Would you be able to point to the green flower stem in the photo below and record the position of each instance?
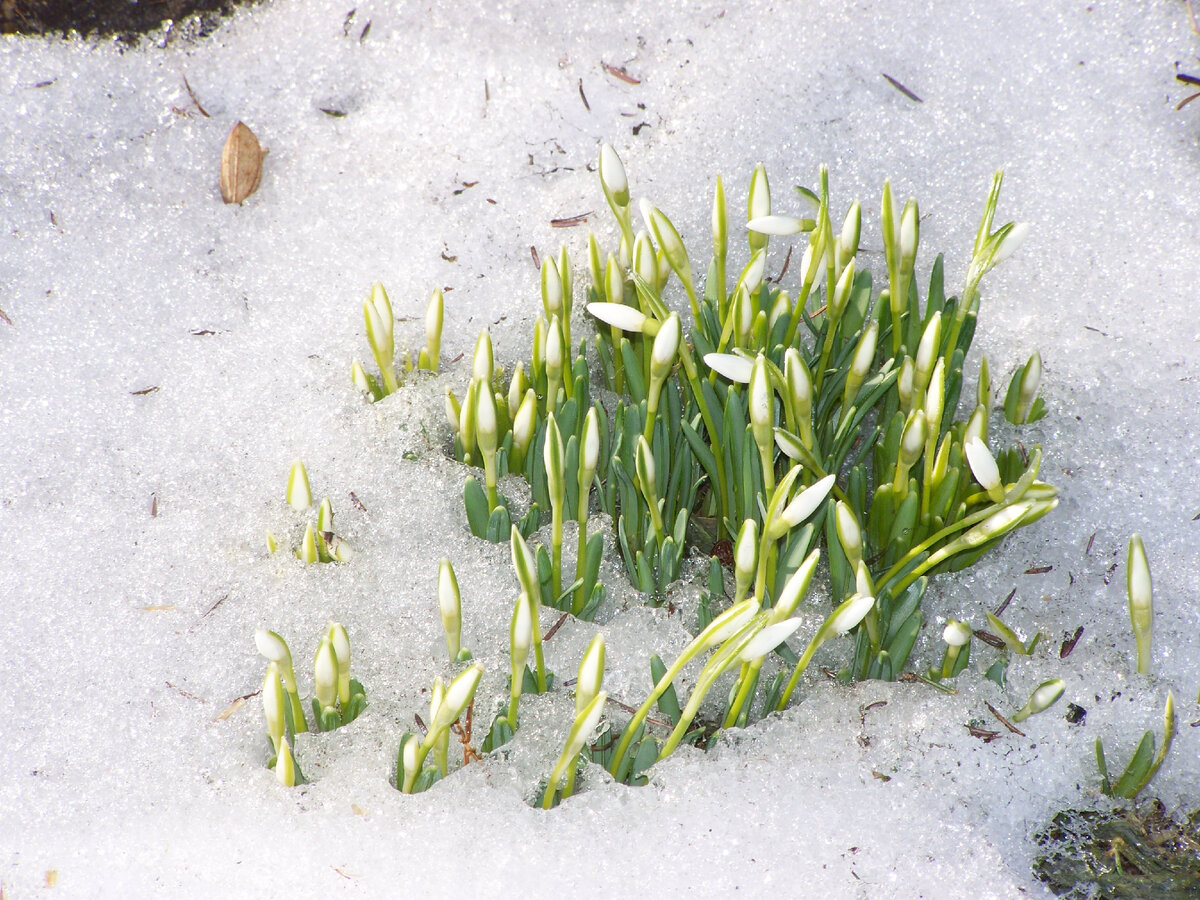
(722, 660)
(817, 640)
(715, 632)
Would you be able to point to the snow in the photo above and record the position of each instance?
(168, 349)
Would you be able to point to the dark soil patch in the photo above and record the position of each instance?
(124, 19)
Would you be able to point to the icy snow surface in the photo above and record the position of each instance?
(164, 345)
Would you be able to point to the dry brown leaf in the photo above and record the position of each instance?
(241, 164)
(230, 709)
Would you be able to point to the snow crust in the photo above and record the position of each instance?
(168, 349)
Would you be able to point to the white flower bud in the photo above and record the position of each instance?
(733, 368)
(482, 362)
(450, 606)
(618, 315)
(1141, 600)
(983, 467)
(591, 673)
(762, 412)
(325, 675)
(612, 176)
(666, 345)
(849, 533)
(458, 697)
(1010, 243)
(1044, 696)
(849, 613)
(778, 226)
(956, 633)
(909, 229)
(341, 649)
(435, 315)
(803, 505)
(768, 639)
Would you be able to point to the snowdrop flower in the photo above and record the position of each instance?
(848, 532)
(956, 633)
(645, 260)
(983, 467)
(359, 376)
(589, 455)
(458, 697)
(752, 274)
(520, 639)
(849, 613)
(779, 226)
(758, 201)
(524, 423)
(1031, 380)
(1141, 600)
(299, 494)
(619, 315)
(927, 352)
(517, 387)
(612, 177)
(795, 588)
(1044, 696)
(803, 505)
(860, 364)
(525, 565)
(585, 723)
(666, 345)
(552, 288)
(768, 639)
(841, 293)
(307, 552)
(668, 239)
(737, 369)
(325, 515)
(453, 411)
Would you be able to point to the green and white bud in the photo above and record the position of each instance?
(482, 362)
(450, 606)
(273, 706)
(762, 407)
(613, 179)
(360, 378)
(905, 380)
(860, 364)
(847, 242)
(1044, 696)
(524, 423)
(927, 352)
(758, 201)
(453, 411)
(725, 625)
(520, 637)
(523, 562)
(591, 674)
(935, 396)
(795, 588)
(552, 456)
(863, 583)
(800, 392)
(745, 558)
(752, 274)
(486, 434)
(307, 552)
(552, 289)
(976, 427)
(645, 260)
(841, 293)
(341, 649)
(555, 354)
(803, 505)
(517, 387)
(849, 533)
(997, 523)
(1141, 600)
(299, 494)
(1010, 243)
(912, 440)
(467, 435)
(285, 764)
(1031, 380)
(910, 225)
(325, 515)
(666, 346)
(325, 675)
(458, 697)
(589, 454)
(644, 465)
(585, 723)
(435, 316)
(668, 239)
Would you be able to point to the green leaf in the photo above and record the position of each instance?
(498, 735)
(1131, 780)
(668, 703)
(475, 501)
